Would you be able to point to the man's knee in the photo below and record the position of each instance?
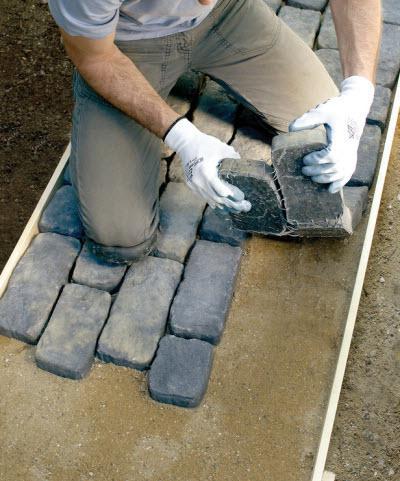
(117, 240)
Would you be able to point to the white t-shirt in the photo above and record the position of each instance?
(131, 19)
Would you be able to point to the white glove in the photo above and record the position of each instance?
(344, 118)
(200, 155)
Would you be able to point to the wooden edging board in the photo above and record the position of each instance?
(31, 228)
(320, 460)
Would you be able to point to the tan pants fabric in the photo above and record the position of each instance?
(115, 162)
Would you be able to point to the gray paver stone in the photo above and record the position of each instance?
(274, 4)
(180, 372)
(331, 60)
(327, 35)
(368, 153)
(256, 180)
(139, 314)
(35, 284)
(356, 200)
(310, 209)
(391, 11)
(218, 227)
(202, 302)
(389, 60)
(93, 271)
(380, 106)
(68, 343)
(310, 4)
(304, 22)
(62, 214)
(215, 112)
(252, 144)
(180, 214)
(163, 172)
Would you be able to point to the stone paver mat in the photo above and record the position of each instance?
(285, 202)
(93, 271)
(139, 313)
(68, 343)
(202, 302)
(35, 285)
(255, 178)
(62, 214)
(180, 372)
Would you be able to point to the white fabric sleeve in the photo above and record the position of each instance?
(86, 18)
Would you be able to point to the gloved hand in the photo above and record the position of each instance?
(200, 155)
(344, 117)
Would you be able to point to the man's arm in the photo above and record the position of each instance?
(116, 78)
(358, 25)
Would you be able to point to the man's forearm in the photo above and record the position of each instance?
(358, 27)
(115, 77)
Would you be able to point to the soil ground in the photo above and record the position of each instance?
(105, 427)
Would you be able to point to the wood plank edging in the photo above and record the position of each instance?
(322, 453)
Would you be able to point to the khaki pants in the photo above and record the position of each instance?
(115, 162)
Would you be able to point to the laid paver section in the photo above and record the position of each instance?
(217, 226)
(389, 59)
(62, 214)
(304, 22)
(93, 271)
(180, 372)
(368, 154)
(216, 111)
(274, 4)
(139, 313)
(180, 214)
(356, 200)
(68, 343)
(255, 179)
(391, 11)
(327, 35)
(379, 109)
(251, 143)
(35, 285)
(202, 302)
(311, 4)
(310, 209)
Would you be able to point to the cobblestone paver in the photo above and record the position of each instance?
(180, 214)
(202, 302)
(61, 215)
(35, 284)
(217, 226)
(304, 22)
(179, 374)
(177, 291)
(92, 271)
(139, 313)
(68, 344)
